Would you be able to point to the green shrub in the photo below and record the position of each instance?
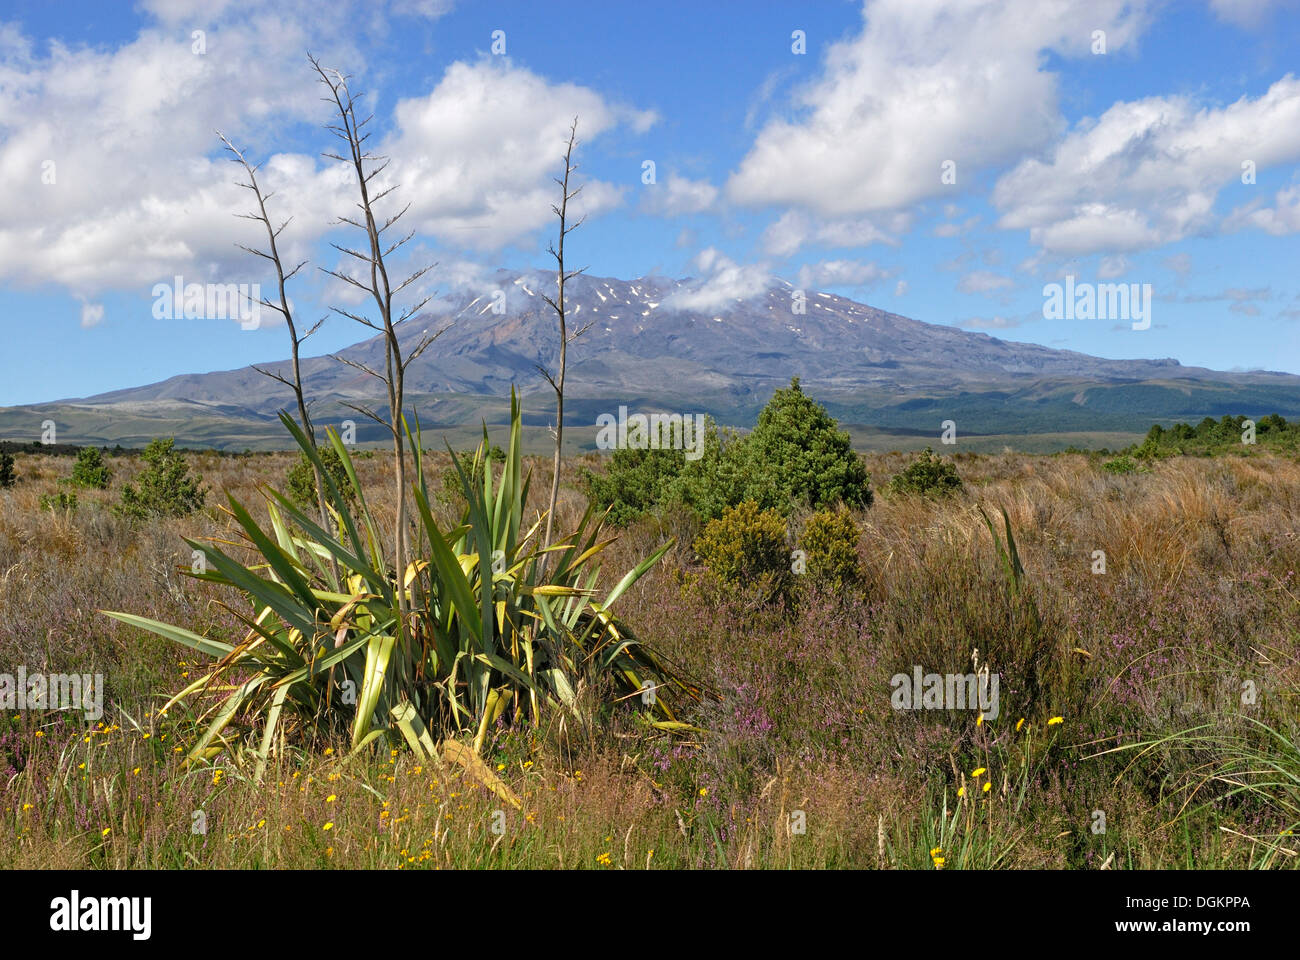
(634, 482)
(90, 471)
(164, 487)
(1121, 465)
(1273, 423)
(830, 547)
(301, 480)
(58, 501)
(6, 469)
(798, 455)
(716, 480)
(747, 544)
(929, 475)
(1149, 450)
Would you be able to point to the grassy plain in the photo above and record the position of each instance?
(1175, 674)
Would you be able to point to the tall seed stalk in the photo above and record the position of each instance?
(557, 304)
(366, 166)
(272, 253)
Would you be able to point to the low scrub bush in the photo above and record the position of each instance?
(66, 502)
(300, 483)
(90, 471)
(164, 488)
(1121, 465)
(929, 475)
(747, 545)
(830, 547)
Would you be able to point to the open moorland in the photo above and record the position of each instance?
(1142, 621)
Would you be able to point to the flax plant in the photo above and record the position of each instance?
(493, 635)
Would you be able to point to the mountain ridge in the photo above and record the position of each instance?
(664, 342)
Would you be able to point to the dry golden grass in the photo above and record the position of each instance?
(1200, 591)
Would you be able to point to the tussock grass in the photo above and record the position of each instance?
(1200, 594)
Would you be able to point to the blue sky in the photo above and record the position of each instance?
(822, 168)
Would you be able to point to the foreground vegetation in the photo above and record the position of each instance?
(1147, 715)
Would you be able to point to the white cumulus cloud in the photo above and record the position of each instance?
(983, 281)
(925, 82)
(1147, 172)
(679, 195)
(1283, 217)
(723, 282)
(840, 273)
(111, 175)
